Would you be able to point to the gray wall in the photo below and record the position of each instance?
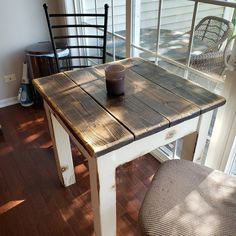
(22, 23)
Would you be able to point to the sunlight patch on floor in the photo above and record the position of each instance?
(33, 137)
(46, 145)
(151, 177)
(31, 122)
(6, 150)
(9, 205)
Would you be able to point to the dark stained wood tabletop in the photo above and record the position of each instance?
(154, 100)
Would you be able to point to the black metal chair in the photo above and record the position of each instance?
(83, 35)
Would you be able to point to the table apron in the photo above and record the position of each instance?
(142, 146)
(145, 145)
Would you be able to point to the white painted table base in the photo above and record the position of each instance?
(62, 149)
(102, 169)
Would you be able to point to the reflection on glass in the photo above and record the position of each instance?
(119, 17)
(116, 24)
(175, 27)
(143, 54)
(116, 21)
(118, 44)
(145, 20)
(171, 68)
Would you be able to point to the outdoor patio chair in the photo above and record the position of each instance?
(188, 199)
(213, 31)
(84, 35)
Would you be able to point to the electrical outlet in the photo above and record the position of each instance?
(9, 78)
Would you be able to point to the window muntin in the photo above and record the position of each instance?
(120, 33)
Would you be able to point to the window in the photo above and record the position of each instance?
(170, 34)
(154, 28)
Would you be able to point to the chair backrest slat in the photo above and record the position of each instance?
(76, 15)
(71, 46)
(76, 26)
(77, 57)
(77, 38)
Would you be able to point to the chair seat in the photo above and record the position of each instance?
(189, 200)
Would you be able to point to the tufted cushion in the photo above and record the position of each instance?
(189, 200)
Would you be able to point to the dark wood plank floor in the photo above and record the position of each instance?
(32, 201)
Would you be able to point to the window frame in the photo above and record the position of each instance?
(130, 45)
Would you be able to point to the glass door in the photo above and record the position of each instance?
(185, 37)
(222, 149)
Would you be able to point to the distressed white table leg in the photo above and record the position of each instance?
(103, 194)
(194, 144)
(62, 150)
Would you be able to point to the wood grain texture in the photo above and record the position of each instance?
(53, 84)
(94, 128)
(147, 94)
(139, 119)
(171, 106)
(199, 96)
(86, 75)
(145, 108)
(82, 76)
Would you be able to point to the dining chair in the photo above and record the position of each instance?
(213, 31)
(188, 199)
(83, 35)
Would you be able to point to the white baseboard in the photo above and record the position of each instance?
(8, 101)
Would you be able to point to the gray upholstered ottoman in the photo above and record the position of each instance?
(189, 200)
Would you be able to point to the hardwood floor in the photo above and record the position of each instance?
(32, 200)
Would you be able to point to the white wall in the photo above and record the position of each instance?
(22, 22)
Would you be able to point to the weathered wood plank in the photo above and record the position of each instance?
(174, 108)
(199, 96)
(53, 84)
(82, 76)
(96, 130)
(128, 62)
(90, 74)
(171, 106)
(140, 119)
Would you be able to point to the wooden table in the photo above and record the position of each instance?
(157, 108)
